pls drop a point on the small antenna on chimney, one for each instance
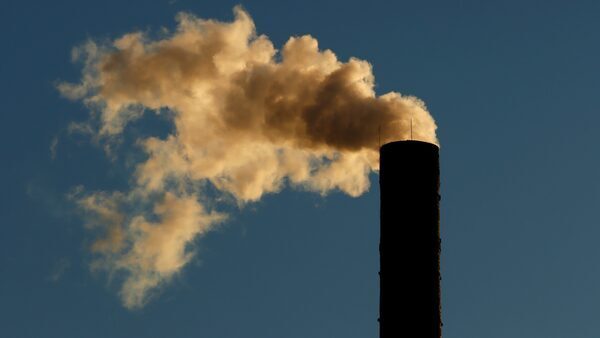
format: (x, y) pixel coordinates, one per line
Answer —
(411, 129)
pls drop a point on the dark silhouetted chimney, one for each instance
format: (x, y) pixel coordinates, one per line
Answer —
(410, 241)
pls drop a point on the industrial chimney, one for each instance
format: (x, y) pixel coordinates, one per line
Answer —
(410, 241)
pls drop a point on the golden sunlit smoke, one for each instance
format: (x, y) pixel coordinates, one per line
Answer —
(247, 119)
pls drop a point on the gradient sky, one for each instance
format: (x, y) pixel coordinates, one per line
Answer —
(513, 87)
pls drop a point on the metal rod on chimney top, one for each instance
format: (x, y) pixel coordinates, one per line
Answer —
(409, 247)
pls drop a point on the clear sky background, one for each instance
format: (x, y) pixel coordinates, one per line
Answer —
(513, 86)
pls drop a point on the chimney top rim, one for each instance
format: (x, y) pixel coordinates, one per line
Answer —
(408, 142)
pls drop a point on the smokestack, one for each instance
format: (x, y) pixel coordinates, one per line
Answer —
(410, 241)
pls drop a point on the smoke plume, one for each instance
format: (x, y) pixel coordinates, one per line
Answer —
(247, 120)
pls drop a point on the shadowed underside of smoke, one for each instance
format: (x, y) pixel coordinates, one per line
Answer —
(246, 118)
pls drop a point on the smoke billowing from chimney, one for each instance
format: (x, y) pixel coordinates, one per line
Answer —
(247, 120)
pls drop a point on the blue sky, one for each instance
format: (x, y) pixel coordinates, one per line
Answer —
(513, 88)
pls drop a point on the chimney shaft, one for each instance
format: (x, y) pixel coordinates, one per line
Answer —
(410, 241)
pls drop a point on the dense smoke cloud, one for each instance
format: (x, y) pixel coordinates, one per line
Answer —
(247, 120)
